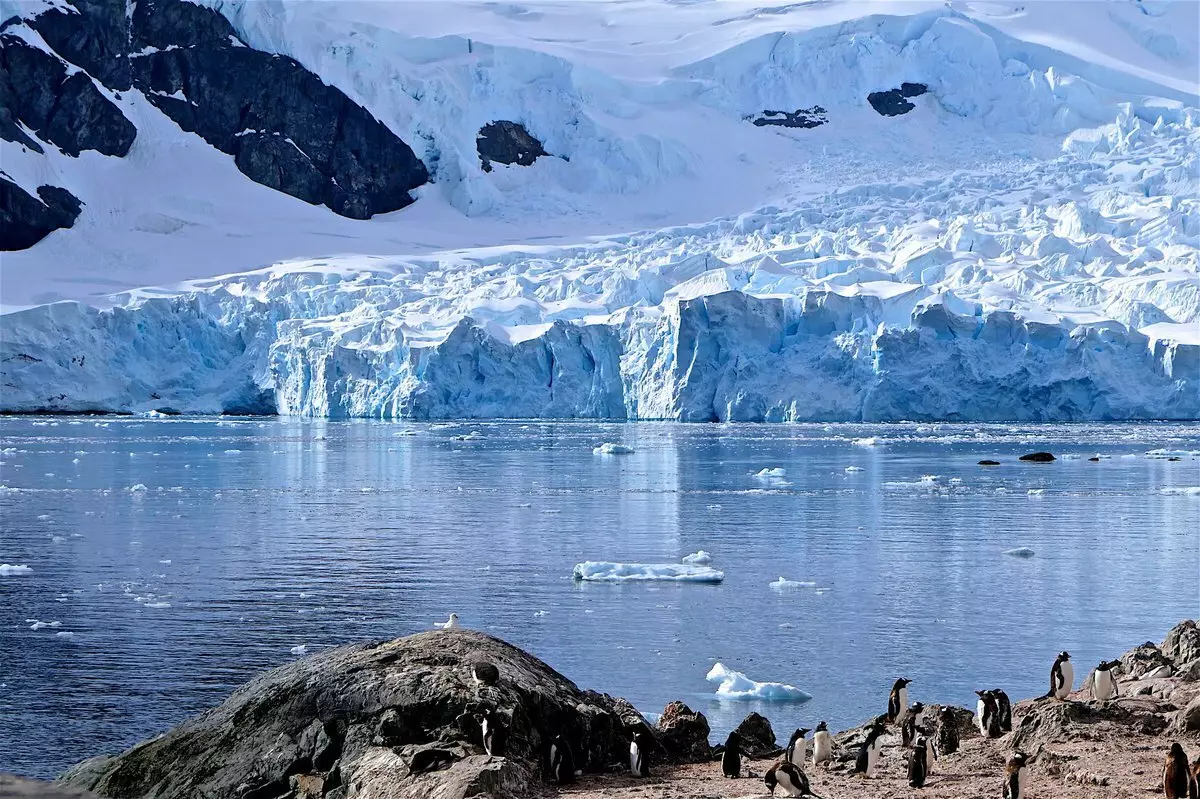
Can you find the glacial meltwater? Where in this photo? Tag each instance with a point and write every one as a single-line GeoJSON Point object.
{"type": "Point", "coordinates": [169, 560]}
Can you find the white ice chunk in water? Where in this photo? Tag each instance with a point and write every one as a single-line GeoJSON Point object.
{"type": "Point", "coordinates": [137, 488]}
{"type": "Point", "coordinates": [604, 571]}
{"type": "Point", "coordinates": [784, 584]}
{"type": "Point", "coordinates": [7, 569]}
{"type": "Point", "coordinates": [700, 558]}
{"type": "Point", "coordinates": [736, 685]}
{"type": "Point", "coordinates": [777, 473]}
{"type": "Point", "coordinates": [854, 468]}
{"type": "Point", "coordinates": [1192, 491]}
{"type": "Point", "coordinates": [611, 448]}
{"type": "Point", "coordinates": [302, 649]}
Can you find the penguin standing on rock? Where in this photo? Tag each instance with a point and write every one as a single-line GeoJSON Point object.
{"type": "Point", "coordinates": [912, 720]}
{"type": "Point", "coordinates": [1003, 709]}
{"type": "Point", "coordinates": [1175, 774]}
{"type": "Point", "coordinates": [868, 755]}
{"type": "Point", "coordinates": [822, 745]}
{"type": "Point", "coordinates": [1062, 676]}
{"type": "Point", "coordinates": [1104, 682]}
{"type": "Point", "coordinates": [898, 701]}
{"type": "Point", "coordinates": [1194, 786]}
{"type": "Point", "coordinates": [796, 747]}
{"type": "Point", "coordinates": [731, 758]}
{"type": "Point", "coordinates": [918, 763]}
{"type": "Point", "coordinates": [947, 733]}
{"type": "Point", "coordinates": [639, 754]}
{"type": "Point", "coordinates": [493, 731]}
{"type": "Point", "coordinates": [988, 715]}
{"type": "Point", "coordinates": [1016, 776]}
{"type": "Point", "coordinates": [561, 761]}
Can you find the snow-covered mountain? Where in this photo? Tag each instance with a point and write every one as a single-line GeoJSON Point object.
{"type": "Point", "coordinates": [848, 210]}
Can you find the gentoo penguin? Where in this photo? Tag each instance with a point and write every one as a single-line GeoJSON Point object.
{"type": "Point", "coordinates": [898, 701]}
{"type": "Point", "coordinates": [449, 624]}
{"type": "Point", "coordinates": [493, 731]}
{"type": "Point", "coordinates": [1016, 776]}
{"type": "Point", "coordinates": [731, 758]}
{"type": "Point", "coordinates": [484, 673]}
{"type": "Point", "coordinates": [1194, 785]}
{"type": "Point", "coordinates": [1104, 684]}
{"type": "Point", "coordinates": [639, 754]}
{"type": "Point", "coordinates": [947, 733]}
{"type": "Point", "coordinates": [796, 747]}
{"type": "Point", "coordinates": [913, 719]}
{"type": "Point", "coordinates": [869, 754]}
{"type": "Point", "coordinates": [1003, 709]}
{"type": "Point", "coordinates": [561, 761]}
{"type": "Point", "coordinates": [988, 715]}
{"type": "Point", "coordinates": [822, 745]}
{"type": "Point", "coordinates": [1062, 676]}
{"type": "Point", "coordinates": [918, 763]}
{"type": "Point", "coordinates": [789, 778]}
{"type": "Point", "coordinates": [1176, 774]}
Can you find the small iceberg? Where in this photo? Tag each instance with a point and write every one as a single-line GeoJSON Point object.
{"type": "Point", "coordinates": [777, 473]}
{"type": "Point", "coordinates": [784, 584]}
{"type": "Point", "coordinates": [138, 488]}
{"type": "Point", "coordinates": [299, 650]}
{"type": "Point", "coordinates": [700, 558]}
{"type": "Point", "coordinates": [1193, 491]}
{"type": "Point", "coordinates": [612, 448]}
{"type": "Point", "coordinates": [7, 569]}
{"type": "Point", "coordinates": [606, 572]}
{"type": "Point", "coordinates": [1020, 552]}
{"type": "Point", "coordinates": [852, 469]}
{"type": "Point", "coordinates": [735, 685]}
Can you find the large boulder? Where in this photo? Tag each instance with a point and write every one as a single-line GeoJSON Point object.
{"type": "Point", "coordinates": [362, 719]}
{"type": "Point", "coordinates": [1188, 719]}
{"type": "Point", "coordinates": [683, 734]}
{"type": "Point", "coordinates": [1182, 644]}
{"type": "Point", "coordinates": [25, 219]}
{"type": "Point", "coordinates": [758, 739]}
{"type": "Point", "coordinates": [1142, 660]}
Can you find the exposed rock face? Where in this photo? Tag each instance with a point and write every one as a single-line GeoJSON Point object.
{"type": "Point", "coordinates": [505, 142]}
{"type": "Point", "coordinates": [895, 102]}
{"type": "Point", "coordinates": [683, 734]}
{"type": "Point", "coordinates": [96, 38]}
{"type": "Point", "coordinates": [25, 220]}
{"type": "Point", "coordinates": [1182, 644]}
{"type": "Point", "coordinates": [358, 719]}
{"type": "Point", "coordinates": [758, 739]}
{"type": "Point", "coordinates": [1142, 660]}
{"type": "Point", "coordinates": [801, 118]}
{"type": "Point", "coordinates": [17, 788]}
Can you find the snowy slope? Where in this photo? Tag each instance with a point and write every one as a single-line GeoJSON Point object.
{"type": "Point", "coordinates": [1022, 244]}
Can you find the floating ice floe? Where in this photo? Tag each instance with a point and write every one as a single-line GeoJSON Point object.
{"type": "Point", "coordinates": [603, 571]}
{"type": "Point", "coordinates": [1173, 453]}
{"type": "Point", "coordinates": [1020, 552]}
{"type": "Point", "coordinates": [8, 569]}
{"type": "Point", "coordinates": [700, 558]}
{"type": "Point", "coordinates": [38, 625]}
{"type": "Point", "coordinates": [612, 448]}
{"type": "Point", "coordinates": [65, 634]}
{"type": "Point", "coordinates": [137, 488]}
{"type": "Point", "coordinates": [299, 650]}
{"type": "Point", "coordinates": [1191, 491]}
{"type": "Point", "coordinates": [784, 584]}
{"type": "Point", "coordinates": [777, 473]}
{"type": "Point", "coordinates": [854, 469]}
{"type": "Point", "coordinates": [866, 442]}
{"type": "Point", "coordinates": [735, 685]}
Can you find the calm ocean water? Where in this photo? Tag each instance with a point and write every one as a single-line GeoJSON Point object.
{"type": "Point", "coordinates": [173, 559]}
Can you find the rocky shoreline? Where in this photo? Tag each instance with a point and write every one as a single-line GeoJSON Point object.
{"type": "Point", "coordinates": [402, 719]}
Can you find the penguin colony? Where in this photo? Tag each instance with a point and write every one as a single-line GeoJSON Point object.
{"type": "Point", "coordinates": [926, 742]}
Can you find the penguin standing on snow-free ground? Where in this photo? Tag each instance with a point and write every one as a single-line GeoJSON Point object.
{"type": "Point", "coordinates": [561, 761]}
{"type": "Point", "coordinates": [1062, 676]}
{"type": "Point", "coordinates": [898, 701]}
{"type": "Point", "coordinates": [918, 763]}
{"type": "Point", "coordinates": [947, 733]}
{"type": "Point", "coordinates": [789, 778]}
{"type": "Point", "coordinates": [1003, 709]}
{"type": "Point", "coordinates": [639, 754]}
{"type": "Point", "coordinates": [731, 758]}
{"type": "Point", "coordinates": [868, 755]}
{"type": "Point", "coordinates": [987, 715]}
{"type": "Point", "coordinates": [912, 720]}
{"type": "Point", "coordinates": [1176, 773]}
{"type": "Point", "coordinates": [1016, 776]}
{"type": "Point", "coordinates": [1194, 785]}
{"type": "Point", "coordinates": [796, 747]}
{"type": "Point", "coordinates": [822, 745]}
{"type": "Point", "coordinates": [1104, 682]}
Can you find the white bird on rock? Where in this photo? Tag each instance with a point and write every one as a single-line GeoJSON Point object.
{"type": "Point", "coordinates": [449, 624]}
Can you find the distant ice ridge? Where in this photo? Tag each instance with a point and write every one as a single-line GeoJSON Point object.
{"type": "Point", "coordinates": [1063, 290]}
{"type": "Point", "coordinates": [601, 571]}
{"type": "Point", "coordinates": [736, 685]}
{"type": "Point", "coordinates": [8, 569]}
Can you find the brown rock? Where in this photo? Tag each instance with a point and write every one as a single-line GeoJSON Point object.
{"type": "Point", "coordinates": [1182, 644]}
{"type": "Point", "coordinates": [1188, 719]}
{"type": "Point", "coordinates": [683, 734]}
{"type": "Point", "coordinates": [758, 739]}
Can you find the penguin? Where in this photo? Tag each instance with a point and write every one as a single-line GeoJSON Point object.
{"type": "Point", "coordinates": [1104, 683]}
{"type": "Point", "coordinates": [988, 715]}
{"type": "Point", "coordinates": [822, 745]}
{"type": "Point", "coordinates": [639, 754]}
{"type": "Point", "coordinates": [731, 758]}
{"type": "Point", "coordinates": [1176, 774]}
{"type": "Point", "coordinates": [869, 754]}
{"type": "Point", "coordinates": [1003, 709]}
{"type": "Point", "coordinates": [1194, 785]}
{"type": "Point", "coordinates": [898, 701]}
{"type": "Point", "coordinates": [796, 747]}
{"type": "Point", "coordinates": [561, 761]}
{"type": "Point", "coordinates": [912, 720]}
{"type": "Point", "coordinates": [1062, 676]}
{"type": "Point", "coordinates": [789, 778]}
{"type": "Point", "coordinates": [918, 763]}
{"type": "Point", "coordinates": [449, 624]}
{"type": "Point", "coordinates": [947, 733]}
{"type": "Point", "coordinates": [1016, 776]}
{"type": "Point", "coordinates": [493, 731]}
{"type": "Point", "coordinates": [484, 673]}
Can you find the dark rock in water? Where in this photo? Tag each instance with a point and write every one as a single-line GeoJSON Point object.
{"type": "Point", "coordinates": [683, 734]}
{"type": "Point", "coordinates": [758, 739]}
{"type": "Point", "coordinates": [989, 463]}
{"type": "Point", "coordinates": [392, 719]}
{"type": "Point", "coordinates": [1094, 459]}
{"type": "Point", "coordinates": [895, 102]}
{"type": "Point", "coordinates": [1038, 457]}
{"type": "Point", "coordinates": [25, 220]}
{"type": "Point", "coordinates": [67, 111]}
{"type": "Point", "coordinates": [801, 118]}
{"type": "Point", "coordinates": [505, 142]}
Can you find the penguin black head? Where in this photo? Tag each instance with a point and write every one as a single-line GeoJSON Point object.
{"type": "Point", "coordinates": [734, 742]}
{"type": "Point", "coordinates": [920, 742]}
{"type": "Point", "coordinates": [822, 727]}
{"type": "Point", "coordinates": [917, 707]}
{"type": "Point", "coordinates": [1177, 751]}
{"type": "Point", "coordinates": [1064, 655]}
{"type": "Point", "coordinates": [983, 694]}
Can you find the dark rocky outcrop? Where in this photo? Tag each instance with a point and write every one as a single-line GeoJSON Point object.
{"type": "Point", "coordinates": [65, 110]}
{"type": "Point", "coordinates": [505, 142]}
{"type": "Point", "coordinates": [95, 37]}
{"type": "Point", "coordinates": [25, 220]}
{"type": "Point", "coordinates": [801, 118]}
{"type": "Point", "coordinates": [989, 463]}
{"type": "Point", "coordinates": [894, 102]}
{"type": "Point", "coordinates": [12, 787]}
{"type": "Point", "coordinates": [683, 734]}
{"type": "Point", "coordinates": [394, 720]}
{"type": "Point", "coordinates": [758, 739]}
{"type": "Point", "coordinates": [1037, 457]}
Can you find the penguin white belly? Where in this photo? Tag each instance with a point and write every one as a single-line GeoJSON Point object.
{"type": "Point", "coordinates": [873, 755]}
{"type": "Point", "coordinates": [1022, 781]}
{"type": "Point", "coordinates": [1102, 685]}
{"type": "Point", "coordinates": [797, 755]}
{"type": "Point", "coordinates": [785, 784]}
{"type": "Point", "coordinates": [979, 718]}
{"type": "Point", "coordinates": [902, 696]}
{"type": "Point", "coordinates": [822, 747]}
{"type": "Point", "coordinates": [634, 757]}
{"type": "Point", "coordinates": [1068, 680]}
